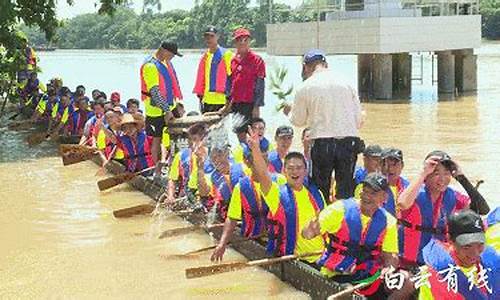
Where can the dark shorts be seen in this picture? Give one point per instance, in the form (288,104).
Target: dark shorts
(244,109)
(154,126)
(211,107)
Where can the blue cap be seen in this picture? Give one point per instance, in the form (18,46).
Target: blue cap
(313,55)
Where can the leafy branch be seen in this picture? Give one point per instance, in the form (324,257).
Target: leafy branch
(277,78)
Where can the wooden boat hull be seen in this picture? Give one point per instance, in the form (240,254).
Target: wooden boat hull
(300,275)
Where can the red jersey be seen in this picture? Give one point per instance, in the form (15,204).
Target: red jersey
(245,70)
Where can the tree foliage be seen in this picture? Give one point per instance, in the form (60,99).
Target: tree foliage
(490,11)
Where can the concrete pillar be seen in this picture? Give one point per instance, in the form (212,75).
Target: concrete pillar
(446,72)
(401,75)
(382,76)
(365,70)
(465,70)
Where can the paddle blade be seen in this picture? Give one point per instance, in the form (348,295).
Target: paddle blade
(73,159)
(114,181)
(133,211)
(36,138)
(216,269)
(72,154)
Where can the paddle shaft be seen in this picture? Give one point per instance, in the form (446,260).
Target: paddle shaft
(184,230)
(349,290)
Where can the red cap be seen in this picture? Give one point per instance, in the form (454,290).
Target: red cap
(241,32)
(115,96)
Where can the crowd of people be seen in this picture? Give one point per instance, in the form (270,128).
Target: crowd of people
(370,223)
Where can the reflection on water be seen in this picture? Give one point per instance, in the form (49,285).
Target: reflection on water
(59,239)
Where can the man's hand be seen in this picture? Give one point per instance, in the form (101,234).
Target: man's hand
(218,253)
(253,138)
(201,153)
(430,165)
(312,229)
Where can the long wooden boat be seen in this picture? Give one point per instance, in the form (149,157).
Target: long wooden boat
(298,274)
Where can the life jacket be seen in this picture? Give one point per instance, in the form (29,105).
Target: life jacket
(30,58)
(254,209)
(185,167)
(93,129)
(390,203)
(105,143)
(223,188)
(354,250)
(493,217)
(275,163)
(61,111)
(137,154)
(218,74)
(168,85)
(438,258)
(283,229)
(77,121)
(417,229)
(492,224)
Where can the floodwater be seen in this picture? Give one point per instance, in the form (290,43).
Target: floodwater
(59,240)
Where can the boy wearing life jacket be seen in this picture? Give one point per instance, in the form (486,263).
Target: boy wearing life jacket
(247,205)
(106,138)
(93,124)
(283,139)
(392,167)
(372,162)
(183,175)
(362,238)
(61,111)
(259,126)
(133,106)
(78,118)
(44,107)
(134,143)
(291,205)
(213,80)
(425,204)
(464,268)
(216,188)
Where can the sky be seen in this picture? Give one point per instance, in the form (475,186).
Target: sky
(88,6)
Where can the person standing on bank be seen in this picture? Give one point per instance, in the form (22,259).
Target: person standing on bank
(214,74)
(331,109)
(247,80)
(159,91)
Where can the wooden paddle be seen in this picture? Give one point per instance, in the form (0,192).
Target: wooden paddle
(349,291)
(128,212)
(215,246)
(119,179)
(72,154)
(228,267)
(183,230)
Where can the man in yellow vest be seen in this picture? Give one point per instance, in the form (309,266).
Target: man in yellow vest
(214,73)
(159,92)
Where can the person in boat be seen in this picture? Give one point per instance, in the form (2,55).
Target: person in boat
(93,124)
(283,138)
(248,72)
(392,167)
(465,267)
(44,107)
(216,188)
(177,112)
(291,205)
(79,94)
(133,106)
(183,175)
(32,92)
(135,144)
(372,162)
(213,83)
(259,126)
(107,136)
(61,112)
(78,118)
(427,202)
(247,205)
(362,238)
(115,100)
(160,91)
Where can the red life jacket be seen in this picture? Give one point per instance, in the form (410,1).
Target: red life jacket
(254,209)
(439,257)
(354,250)
(421,224)
(218,74)
(137,153)
(283,230)
(275,163)
(223,188)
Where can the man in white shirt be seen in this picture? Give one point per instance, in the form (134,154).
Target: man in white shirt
(331,109)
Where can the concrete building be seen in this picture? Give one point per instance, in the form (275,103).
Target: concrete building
(384,33)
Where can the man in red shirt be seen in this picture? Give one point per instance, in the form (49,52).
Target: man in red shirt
(247,80)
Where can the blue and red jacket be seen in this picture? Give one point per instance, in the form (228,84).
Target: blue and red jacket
(275,164)
(440,256)
(254,208)
(390,203)
(424,221)
(137,152)
(284,229)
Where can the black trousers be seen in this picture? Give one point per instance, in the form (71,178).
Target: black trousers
(210,107)
(244,109)
(328,154)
